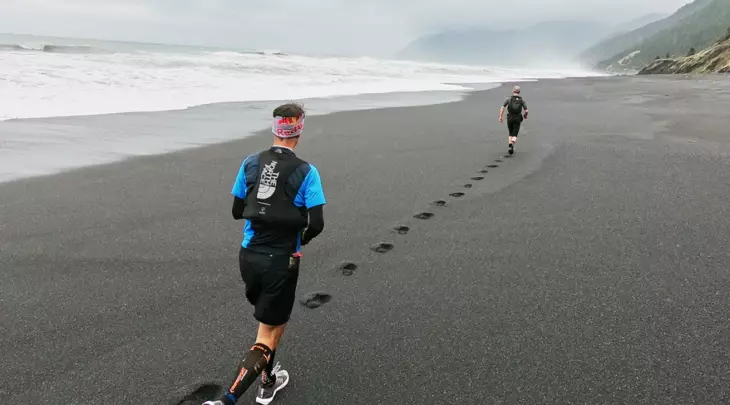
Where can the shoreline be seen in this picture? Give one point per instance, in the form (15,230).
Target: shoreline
(73,142)
(363,96)
(238,120)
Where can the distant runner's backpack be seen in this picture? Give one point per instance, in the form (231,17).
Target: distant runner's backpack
(515,105)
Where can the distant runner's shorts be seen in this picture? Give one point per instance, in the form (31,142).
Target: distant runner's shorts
(513,124)
(271,284)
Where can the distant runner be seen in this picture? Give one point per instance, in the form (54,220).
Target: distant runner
(281,198)
(514,105)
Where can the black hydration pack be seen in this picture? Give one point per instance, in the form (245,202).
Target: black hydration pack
(515,105)
(271,203)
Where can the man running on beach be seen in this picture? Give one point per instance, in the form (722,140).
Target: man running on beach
(514,105)
(280,196)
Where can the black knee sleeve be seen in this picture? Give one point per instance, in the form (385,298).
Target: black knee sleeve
(251,367)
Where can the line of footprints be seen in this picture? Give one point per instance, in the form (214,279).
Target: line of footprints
(316,300)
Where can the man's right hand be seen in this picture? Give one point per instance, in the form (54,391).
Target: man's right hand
(501,119)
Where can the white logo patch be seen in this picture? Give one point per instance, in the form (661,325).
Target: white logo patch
(267,184)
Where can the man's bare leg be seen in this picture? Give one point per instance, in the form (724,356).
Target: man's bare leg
(270,335)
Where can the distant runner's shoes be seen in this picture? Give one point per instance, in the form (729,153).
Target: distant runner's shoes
(511,149)
(213,403)
(267,394)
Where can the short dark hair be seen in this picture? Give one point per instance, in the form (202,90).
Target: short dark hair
(290,110)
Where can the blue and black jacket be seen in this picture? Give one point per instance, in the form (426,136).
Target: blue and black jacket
(272,205)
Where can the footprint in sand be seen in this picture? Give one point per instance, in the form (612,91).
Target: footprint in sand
(402,230)
(204,392)
(423,215)
(457,195)
(382,247)
(315,300)
(484,171)
(478,178)
(493,166)
(348,268)
(468,185)
(499,161)
(440,203)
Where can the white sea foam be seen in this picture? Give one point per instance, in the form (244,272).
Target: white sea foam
(49,80)
(51,77)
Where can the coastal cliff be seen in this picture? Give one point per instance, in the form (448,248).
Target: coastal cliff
(715,59)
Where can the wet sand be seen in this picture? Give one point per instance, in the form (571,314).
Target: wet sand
(590,268)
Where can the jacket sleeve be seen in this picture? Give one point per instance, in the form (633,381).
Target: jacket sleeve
(316,224)
(239,204)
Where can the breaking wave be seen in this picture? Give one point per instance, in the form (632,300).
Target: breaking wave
(52,79)
(78,49)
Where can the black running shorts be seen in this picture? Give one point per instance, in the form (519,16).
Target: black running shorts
(514,126)
(271,284)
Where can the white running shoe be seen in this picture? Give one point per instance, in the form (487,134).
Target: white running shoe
(213,403)
(267,394)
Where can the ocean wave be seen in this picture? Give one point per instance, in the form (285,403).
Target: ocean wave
(265,52)
(81,49)
(274,52)
(74,49)
(154,78)
(16,47)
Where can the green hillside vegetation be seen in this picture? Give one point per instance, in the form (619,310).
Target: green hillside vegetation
(619,46)
(715,59)
(696,25)
(698,30)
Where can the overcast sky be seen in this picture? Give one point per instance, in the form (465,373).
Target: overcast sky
(374,27)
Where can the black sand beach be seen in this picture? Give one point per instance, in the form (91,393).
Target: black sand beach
(591,268)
